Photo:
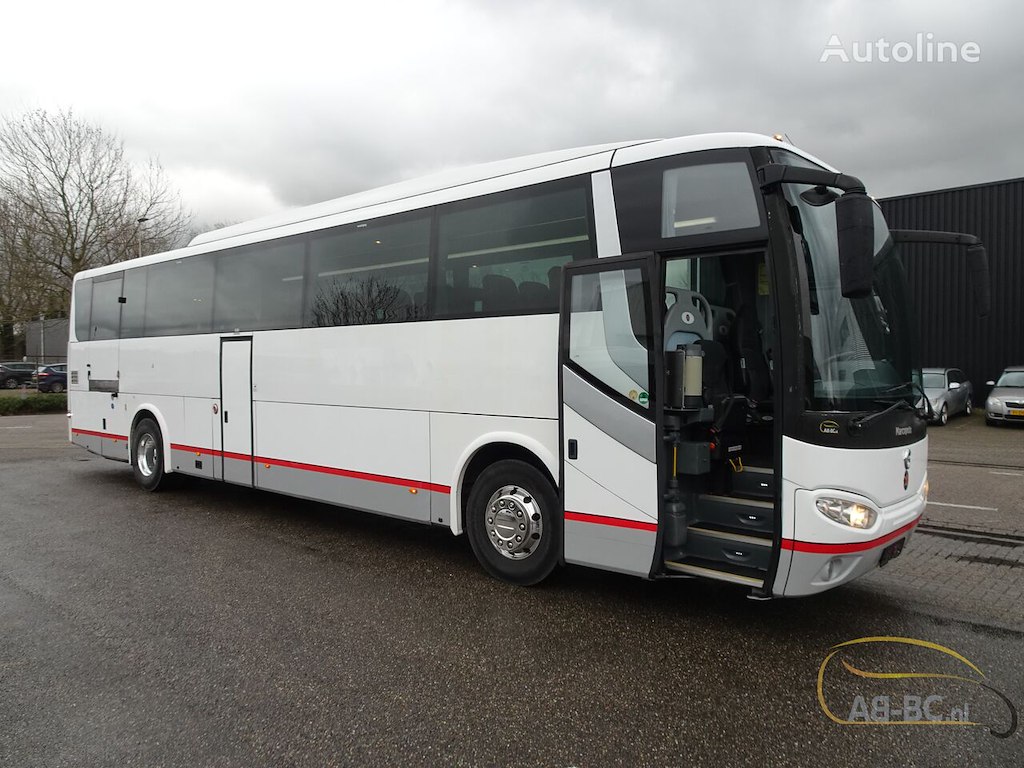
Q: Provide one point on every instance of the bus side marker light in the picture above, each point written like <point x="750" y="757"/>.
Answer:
<point x="414" y="491"/>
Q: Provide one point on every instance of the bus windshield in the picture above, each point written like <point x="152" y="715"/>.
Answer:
<point x="859" y="351"/>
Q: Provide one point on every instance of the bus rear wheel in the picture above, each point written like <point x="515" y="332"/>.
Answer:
<point x="147" y="455"/>
<point x="512" y="522"/>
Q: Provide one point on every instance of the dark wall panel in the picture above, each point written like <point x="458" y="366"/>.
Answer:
<point x="951" y="333"/>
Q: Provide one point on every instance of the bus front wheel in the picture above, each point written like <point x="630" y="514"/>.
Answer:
<point x="512" y="524"/>
<point x="147" y="455"/>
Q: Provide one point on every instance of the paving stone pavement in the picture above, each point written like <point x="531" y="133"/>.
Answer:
<point x="980" y="580"/>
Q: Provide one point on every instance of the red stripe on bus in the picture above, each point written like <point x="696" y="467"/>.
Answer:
<point x="92" y="433"/>
<point x="843" y="549"/>
<point x="196" y="449"/>
<point x="387" y="479"/>
<point x="404" y="482"/>
<point x="616" y="522"/>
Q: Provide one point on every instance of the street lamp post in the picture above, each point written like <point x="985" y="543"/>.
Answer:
<point x="141" y="220"/>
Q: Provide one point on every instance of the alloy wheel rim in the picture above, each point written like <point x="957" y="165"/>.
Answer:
<point x="513" y="522"/>
<point x="147" y="456"/>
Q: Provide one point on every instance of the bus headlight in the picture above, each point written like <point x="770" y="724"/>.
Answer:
<point x="847" y="512"/>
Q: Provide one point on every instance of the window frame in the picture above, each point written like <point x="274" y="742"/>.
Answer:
<point x="645" y="262"/>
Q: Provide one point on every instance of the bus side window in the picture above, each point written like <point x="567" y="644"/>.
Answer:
<point x="497" y="257"/>
<point x="369" y="272"/>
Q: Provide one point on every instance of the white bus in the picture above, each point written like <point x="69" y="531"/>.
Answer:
<point x="473" y="351"/>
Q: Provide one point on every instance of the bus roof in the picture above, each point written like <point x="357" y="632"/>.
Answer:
<point x="477" y="179"/>
<point x="461" y="176"/>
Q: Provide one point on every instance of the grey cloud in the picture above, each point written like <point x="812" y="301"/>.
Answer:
<point x="489" y="81"/>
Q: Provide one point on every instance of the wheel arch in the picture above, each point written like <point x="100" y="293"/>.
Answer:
<point x="487" y="450"/>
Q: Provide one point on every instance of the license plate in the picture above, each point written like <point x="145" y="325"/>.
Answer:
<point x="1017" y="411"/>
<point x="891" y="551"/>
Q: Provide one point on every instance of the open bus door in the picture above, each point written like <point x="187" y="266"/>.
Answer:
<point x="609" y="421"/>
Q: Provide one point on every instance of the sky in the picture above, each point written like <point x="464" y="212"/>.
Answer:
<point x="256" y="107"/>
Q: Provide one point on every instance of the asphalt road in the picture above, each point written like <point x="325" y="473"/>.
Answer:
<point x="214" y="626"/>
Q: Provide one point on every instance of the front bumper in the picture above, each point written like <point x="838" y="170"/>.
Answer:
<point x="813" y="567"/>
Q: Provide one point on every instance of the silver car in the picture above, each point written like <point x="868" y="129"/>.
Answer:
<point x="949" y="391"/>
<point x="1005" y="402"/>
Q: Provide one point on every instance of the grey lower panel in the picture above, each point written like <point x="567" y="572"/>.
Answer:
<point x="614" y="419"/>
<point x="237" y="471"/>
<point x="609" y="547"/>
<point x="190" y="463"/>
<point x="115" y="449"/>
<point x="366" y="495"/>
<point x="440" y="508"/>
<point x="91" y="443"/>
<point x="782" y="572"/>
<point x="811" y="572"/>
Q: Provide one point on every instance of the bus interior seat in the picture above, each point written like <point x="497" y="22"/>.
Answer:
<point x="458" y="299"/>
<point x="688" y="319"/>
<point x="534" y="295"/>
<point x="499" y="294"/>
<point x="723" y="320"/>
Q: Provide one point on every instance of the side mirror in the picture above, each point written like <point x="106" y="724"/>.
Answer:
<point x="990" y="383"/>
<point x="977" y="264"/>
<point x="855" y="225"/>
<point x="954" y="385"/>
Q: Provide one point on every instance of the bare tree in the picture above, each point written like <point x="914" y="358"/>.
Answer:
<point x="361" y="302"/>
<point x="71" y="200"/>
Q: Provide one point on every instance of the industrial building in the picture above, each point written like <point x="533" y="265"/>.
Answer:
<point x="951" y="333"/>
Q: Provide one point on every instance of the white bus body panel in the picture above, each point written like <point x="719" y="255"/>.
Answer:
<point x="383" y="418"/>
<point x="818" y="553"/>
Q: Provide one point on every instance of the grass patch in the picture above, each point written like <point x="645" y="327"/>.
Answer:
<point x="37" y="403"/>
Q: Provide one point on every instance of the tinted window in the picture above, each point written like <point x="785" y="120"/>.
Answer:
<point x="374" y="272"/>
<point x="179" y="297"/>
<point x="260" y="287"/>
<point x="133" y="311"/>
<point x="504" y="256"/>
<point x="707" y="198"/>
<point x="672" y="198"/>
<point x="106" y="309"/>
<point x="83" y="306"/>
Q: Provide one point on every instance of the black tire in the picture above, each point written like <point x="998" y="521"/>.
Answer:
<point x="56" y="387"/>
<point x="147" y="456"/>
<point x="943" y="415"/>
<point x="11" y="383"/>
<point x="531" y="494"/>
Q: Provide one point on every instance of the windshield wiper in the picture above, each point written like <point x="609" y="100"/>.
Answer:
<point x="860" y="422"/>
<point x="929" y="412"/>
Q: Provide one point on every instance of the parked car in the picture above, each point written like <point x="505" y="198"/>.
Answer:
<point x="1005" y="402"/>
<point x="52" y="378"/>
<point x="13" y="375"/>
<point x="949" y="391"/>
